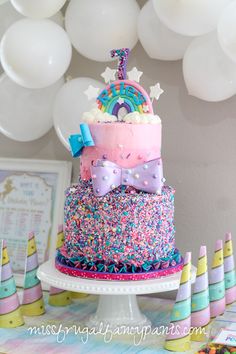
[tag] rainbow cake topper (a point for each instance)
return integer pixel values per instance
(123, 94)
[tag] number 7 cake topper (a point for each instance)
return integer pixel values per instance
(122, 55)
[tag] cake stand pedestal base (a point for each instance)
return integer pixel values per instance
(116, 311)
(117, 305)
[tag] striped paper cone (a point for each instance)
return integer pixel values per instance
(200, 316)
(178, 338)
(10, 313)
(78, 295)
(59, 297)
(229, 269)
(33, 303)
(217, 282)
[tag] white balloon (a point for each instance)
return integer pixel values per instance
(227, 30)
(190, 17)
(96, 27)
(8, 15)
(209, 74)
(70, 104)
(35, 53)
(158, 41)
(38, 9)
(25, 114)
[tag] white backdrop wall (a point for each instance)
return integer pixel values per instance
(199, 150)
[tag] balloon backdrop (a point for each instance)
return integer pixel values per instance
(25, 114)
(38, 9)
(227, 30)
(190, 17)
(58, 18)
(35, 54)
(158, 41)
(3, 1)
(8, 15)
(96, 27)
(209, 74)
(70, 104)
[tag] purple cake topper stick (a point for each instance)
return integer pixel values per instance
(122, 55)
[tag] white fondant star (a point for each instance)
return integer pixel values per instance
(109, 75)
(145, 108)
(92, 92)
(121, 100)
(156, 91)
(134, 74)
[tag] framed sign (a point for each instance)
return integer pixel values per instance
(31, 199)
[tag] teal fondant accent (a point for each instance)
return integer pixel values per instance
(103, 97)
(7, 288)
(230, 279)
(31, 279)
(200, 300)
(181, 310)
(217, 291)
(110, 105)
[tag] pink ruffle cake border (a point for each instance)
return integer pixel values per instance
(75, 272)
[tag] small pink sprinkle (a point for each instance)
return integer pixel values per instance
(145, 183)
(140, 157)
(94, 176)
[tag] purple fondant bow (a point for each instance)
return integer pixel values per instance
(107, 176)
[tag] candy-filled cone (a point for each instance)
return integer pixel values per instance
(200, 316)
(59, 297)
(217, 283)
(178, 338)
(33, 303)
(10, 313)
(229, 269)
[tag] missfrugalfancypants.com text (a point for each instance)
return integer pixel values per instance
(108, 333)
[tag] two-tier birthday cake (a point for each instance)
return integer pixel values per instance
(119, 217)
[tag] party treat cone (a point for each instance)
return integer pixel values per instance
(78, 295)
(32, 304)
(217, 283)
(178, 338)
(200, 316)
(10, 313)
(230, 277)
(59, 297)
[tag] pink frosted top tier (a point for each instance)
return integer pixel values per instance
(125, 144)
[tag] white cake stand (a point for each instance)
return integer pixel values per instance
(117, 304)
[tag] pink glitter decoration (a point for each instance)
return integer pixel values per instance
(118, 276)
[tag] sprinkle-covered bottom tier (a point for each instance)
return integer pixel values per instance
(124, 232)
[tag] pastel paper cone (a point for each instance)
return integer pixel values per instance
(229, 269)
(200, 316)
(78, 295)
(10, 312)
(59, 297)
(178, 338)
(32, 303)
(216, 282)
